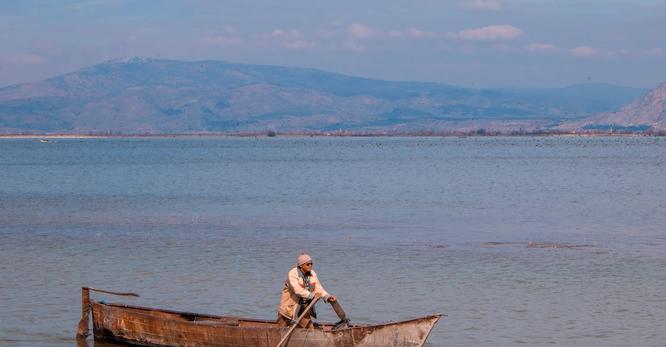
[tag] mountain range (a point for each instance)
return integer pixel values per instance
(141, 95)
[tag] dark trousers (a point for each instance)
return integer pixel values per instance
(306, 322)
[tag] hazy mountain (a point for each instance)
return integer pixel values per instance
(163, 96)
(648, 112)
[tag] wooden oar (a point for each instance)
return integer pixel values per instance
(298, 320)
(110, 292)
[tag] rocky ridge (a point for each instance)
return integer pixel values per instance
(142, 95)
(646, 113)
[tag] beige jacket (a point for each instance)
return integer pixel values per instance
(295, 288)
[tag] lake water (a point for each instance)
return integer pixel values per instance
(520, 241)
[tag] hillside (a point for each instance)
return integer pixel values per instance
(646, 113)
(141, 95)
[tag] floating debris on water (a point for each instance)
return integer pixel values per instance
(534, 244)
(495, 243)
(555, 245)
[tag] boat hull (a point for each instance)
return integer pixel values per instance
(153, 327)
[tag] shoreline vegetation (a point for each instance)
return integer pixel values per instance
(339, 133)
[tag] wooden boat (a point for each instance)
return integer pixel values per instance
(144, 326)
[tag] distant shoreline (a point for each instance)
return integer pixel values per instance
(341, 134)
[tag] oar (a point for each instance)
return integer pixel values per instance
(110, 292)
(298, 320)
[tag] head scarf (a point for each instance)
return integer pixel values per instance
(303, 258)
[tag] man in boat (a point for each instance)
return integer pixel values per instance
(301, 287)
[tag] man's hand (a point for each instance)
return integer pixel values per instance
(316, 296)
(332, 298)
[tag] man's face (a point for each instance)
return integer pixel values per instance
(307, 267)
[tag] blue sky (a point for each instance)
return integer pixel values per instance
(474, 43)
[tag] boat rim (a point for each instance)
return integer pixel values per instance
(436, 316)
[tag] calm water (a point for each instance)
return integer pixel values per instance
(399, 227)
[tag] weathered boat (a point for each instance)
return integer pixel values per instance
(144, 326)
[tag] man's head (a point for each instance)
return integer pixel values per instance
(304, 262)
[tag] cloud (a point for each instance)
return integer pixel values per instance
(362, 31)
(413, 33)
(357, 31)
(583, 51)
(541, 48)
(359, 37)
(24, 59)
(280, 33)
(481, 5)
(221, 40)
(491, 33)
(228, 37)
(419, 34)
(292, 39)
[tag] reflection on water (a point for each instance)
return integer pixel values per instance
(89, 342)
(84, 342)
(518, 240)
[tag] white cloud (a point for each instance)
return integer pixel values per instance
(23, 59)
(228, 37)
(491, 33)
(542, 48)
(413, 33)
(292, 39)
(362, 31)
(286, 34)
(583, 51)
(358, 31)
(221, 40)
(481, 5)
(419, 34)
(357, 36)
